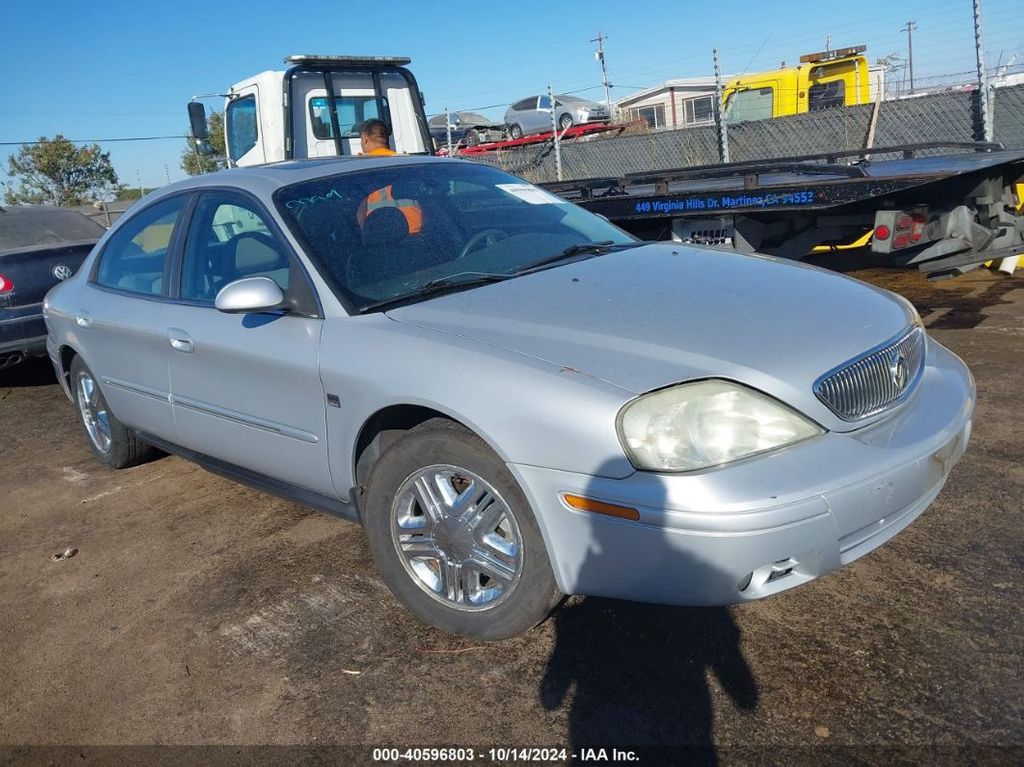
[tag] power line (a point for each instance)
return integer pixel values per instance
(179, 137)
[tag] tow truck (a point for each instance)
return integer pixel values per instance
(314, 109)
(941, 214)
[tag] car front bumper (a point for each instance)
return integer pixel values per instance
(761, 526)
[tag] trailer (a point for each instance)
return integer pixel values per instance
(942, 214)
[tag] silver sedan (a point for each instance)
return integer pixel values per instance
(534, 114)
(515, 398)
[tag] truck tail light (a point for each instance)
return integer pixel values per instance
(6, 286)
(918, 220)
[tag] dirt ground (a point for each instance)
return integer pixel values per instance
(197, 611)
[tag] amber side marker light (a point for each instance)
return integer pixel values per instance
(599, 507)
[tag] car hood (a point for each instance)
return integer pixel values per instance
(659, 314)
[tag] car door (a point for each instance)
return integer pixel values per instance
(540, 118)
(119, 317)
(245, 388)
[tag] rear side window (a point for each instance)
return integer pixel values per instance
(241, 126)
(826, 95)
(352, 112)
(133, 258)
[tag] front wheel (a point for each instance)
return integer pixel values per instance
(110, 440)
(565, 121)
(454, 537)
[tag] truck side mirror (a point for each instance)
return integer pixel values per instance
(197, 123)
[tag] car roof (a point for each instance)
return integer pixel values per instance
(266, 179)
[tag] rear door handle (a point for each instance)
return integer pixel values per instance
(180, 341)
(83, 320)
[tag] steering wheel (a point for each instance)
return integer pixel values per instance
(481, 238)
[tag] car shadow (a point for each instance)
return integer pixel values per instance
(636, 676)
(34, 371)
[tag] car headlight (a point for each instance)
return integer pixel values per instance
(706, 423)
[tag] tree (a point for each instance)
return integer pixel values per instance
(57, 172)
(194, 163)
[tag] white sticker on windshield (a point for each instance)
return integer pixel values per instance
(531, 194)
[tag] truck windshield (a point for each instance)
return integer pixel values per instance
(395, 229)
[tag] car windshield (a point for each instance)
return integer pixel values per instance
(383, 234)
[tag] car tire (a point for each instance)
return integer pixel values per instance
(478, 514)
(109, 439)
(515, 131)
(472, 138)
(565, 121)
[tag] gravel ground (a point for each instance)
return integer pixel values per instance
(197, 611)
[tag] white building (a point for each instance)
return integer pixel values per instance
(674, 103)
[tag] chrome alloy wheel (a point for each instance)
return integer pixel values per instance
(457, 537)
(94, 412)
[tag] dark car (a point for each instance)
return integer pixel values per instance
(39, 247)
(468, 129)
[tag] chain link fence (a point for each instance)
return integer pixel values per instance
(948, 116)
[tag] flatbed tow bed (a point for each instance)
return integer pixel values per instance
(943, 214)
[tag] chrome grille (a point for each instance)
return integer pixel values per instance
(875, 381)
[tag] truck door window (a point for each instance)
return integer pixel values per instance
(826, 95)
(241, 126)
(751, 104)
(352, 112)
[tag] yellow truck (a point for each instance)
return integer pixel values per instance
(822, 80)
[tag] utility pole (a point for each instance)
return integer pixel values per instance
(723, 134)
(910, 27)
(448, 128)
(984, 110)
(599, 55)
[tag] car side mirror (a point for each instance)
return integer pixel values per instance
(249, 294)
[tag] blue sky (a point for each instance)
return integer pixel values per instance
(124, 69)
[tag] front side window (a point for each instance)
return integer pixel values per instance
(465, 219)
(133, 258)
(242, 128)
(544, 103)
(750, 104)
(228, 239)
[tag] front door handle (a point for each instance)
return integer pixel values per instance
(180, 341)
(83, 320)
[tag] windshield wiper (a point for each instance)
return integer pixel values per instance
(436, 287)
(581, 248)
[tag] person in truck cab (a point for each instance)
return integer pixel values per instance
(374, 136)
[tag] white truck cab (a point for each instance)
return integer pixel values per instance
(315, 108)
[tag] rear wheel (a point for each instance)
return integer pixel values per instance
(515, 131)
(109, 439)
(454, 537)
